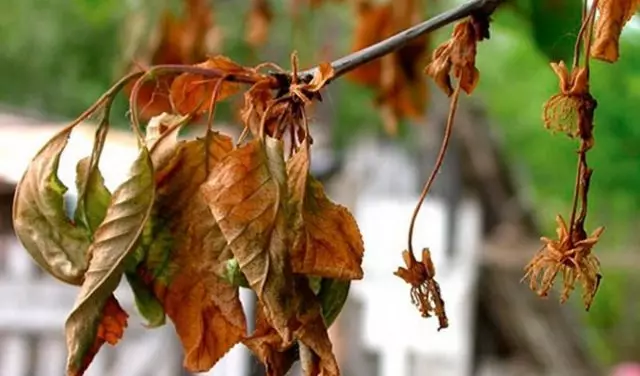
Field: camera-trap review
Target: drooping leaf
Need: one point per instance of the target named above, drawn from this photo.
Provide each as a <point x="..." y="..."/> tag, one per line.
<point x="40" y="220"/>
<point x="205" y="310"/>
<point x="186" y="38"/>
<point x="258" y="23"/>
<point x="328" y="242"/>
<point x="113" y="241"/>
<point x="246" y="193"/>
<point x="614" y="14"/>
<point x="267" y="345"/>
<point x="312" y="330"/>
<point x="401" y="92"/>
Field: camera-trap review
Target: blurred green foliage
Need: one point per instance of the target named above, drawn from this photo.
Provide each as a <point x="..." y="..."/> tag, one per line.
<point x="59" y="57"/>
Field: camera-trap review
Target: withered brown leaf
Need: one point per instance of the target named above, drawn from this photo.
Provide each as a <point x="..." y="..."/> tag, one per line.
<point x="328" y="242"/>
<point x="247" y="194"/>
<point x="258" y="23"/>
<point x="310" y="329"/>
<point x="268" y="346"/>
<point x="457" y="56"/>
<point x="614" y="14"/>
<point x="205" y="310"/>
<point x="401" y="93"/>
<point x="179" y="39"/>
<point x="192" y="93"/>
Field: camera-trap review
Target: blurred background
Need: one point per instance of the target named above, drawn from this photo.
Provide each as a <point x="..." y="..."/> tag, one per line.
<point x="504" y="179"/>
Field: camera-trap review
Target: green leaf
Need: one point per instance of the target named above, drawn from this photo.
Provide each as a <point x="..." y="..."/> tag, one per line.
<point x="40" y="220"/>
<point x="147" y="304"/>
<point x="93" y="196"/>
<point x="113" y="241"/>
<point x="333" y="295"/>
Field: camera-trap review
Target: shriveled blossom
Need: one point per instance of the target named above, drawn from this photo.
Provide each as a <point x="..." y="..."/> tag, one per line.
<point x="425" y="291"/>
<point x="572" y="258"/>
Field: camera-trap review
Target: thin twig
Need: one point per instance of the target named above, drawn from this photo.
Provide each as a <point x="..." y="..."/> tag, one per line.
<point x="395" y="42"/>
<point x="436" y="167"/>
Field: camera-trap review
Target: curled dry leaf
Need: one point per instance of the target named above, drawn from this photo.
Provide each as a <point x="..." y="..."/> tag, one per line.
<point x="113" y="241"/>
<point x="278" y="355"/>
<point x="192" y="93"/>
<point x="457" y="56"/>
<point x="571" y="111"/>
<point x="425" y="291"/>
<point x="312" y="330"/>
<point x="258" y="22"/>
<point x="571" y="257"/>
<point x="205" y="310"/>
<point x="267" y="345"/>
<point x="40" y="220"/>
<point x="328" y="242"/>
<point x="614" y="14"/>
<point x="247" y="194"/>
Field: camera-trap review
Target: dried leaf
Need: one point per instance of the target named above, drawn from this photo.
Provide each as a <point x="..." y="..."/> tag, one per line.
<point x="457" y="56"/>
<point x="278" y="355"/>
<point x="206" y="311"/>
<point x="185" y="39"/>
<point x="246" y="193"/>
<point x="268" y="347"/>
<point x="40" y="220"/>
<point x="328" y="242"/>
<point x="614" y="14"/>
<point x="113" y="241"/>
<point x="258" y="23"/>
<point x="312" y="330"/>
<point x="192" y="93"/>
<point x="396" y="77"/>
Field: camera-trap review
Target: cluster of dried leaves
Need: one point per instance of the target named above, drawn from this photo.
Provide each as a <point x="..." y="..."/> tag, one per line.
<point x="195" y="220"/>
<point x="571" y="111"/>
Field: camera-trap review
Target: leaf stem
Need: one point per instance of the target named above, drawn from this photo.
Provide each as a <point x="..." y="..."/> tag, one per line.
<point x="443" y="149"/>
<point x="350" y="62"/>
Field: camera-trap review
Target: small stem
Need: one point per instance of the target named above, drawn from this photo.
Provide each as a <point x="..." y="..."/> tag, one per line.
<point x="395" y="42"/>
<point x="436" y="167"/>
<point x="591" y="21"/>
<point x="576" y="193"/>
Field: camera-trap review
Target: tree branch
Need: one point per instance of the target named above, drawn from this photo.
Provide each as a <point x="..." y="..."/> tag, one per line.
<point x="395" y="42"/>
